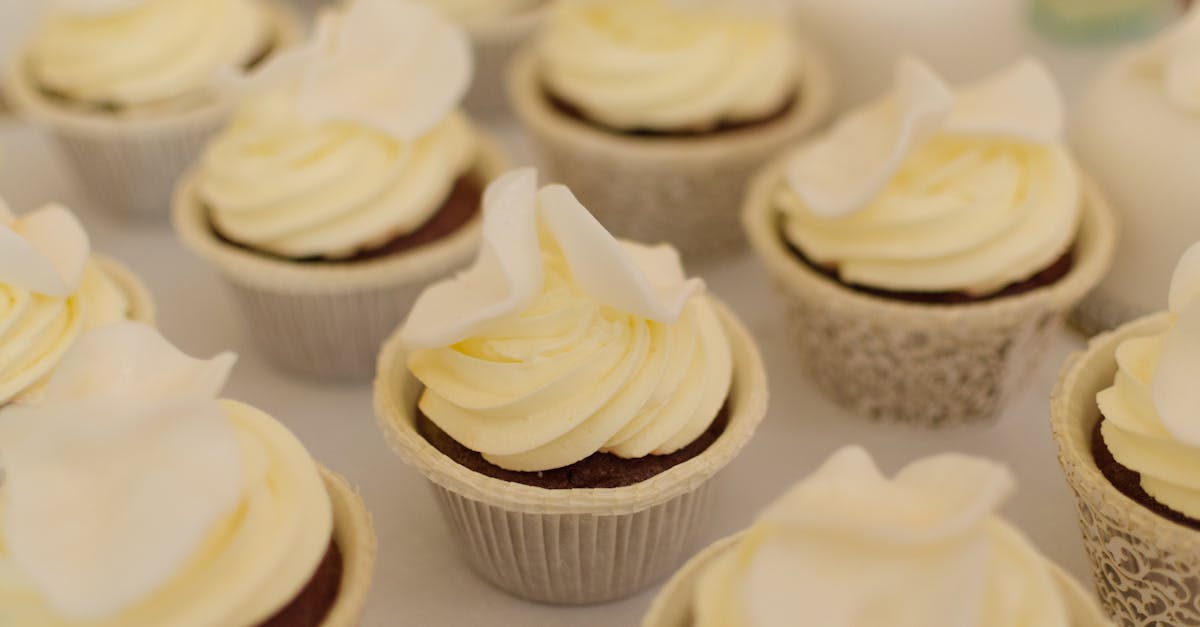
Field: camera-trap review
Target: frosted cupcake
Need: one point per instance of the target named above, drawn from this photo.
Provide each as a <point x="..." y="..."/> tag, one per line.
<point x="656" y="112"/>
<point x="1125" y="416"/>
<point x="347" y="180"/>
<point x="1138" y="132"/>
<point x="849" y="547"/>
<point x="52" y="290"/>
<point x="127" y="87"/>
<point x="569" y="397"/>
<point x="929" y="243"/>
<point x="227" y="521"/>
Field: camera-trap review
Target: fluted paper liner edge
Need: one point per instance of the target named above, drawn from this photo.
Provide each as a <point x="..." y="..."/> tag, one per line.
<point x="355" y="537"/>
<point x="141" y="303"/>
<point x="1146" y="568"/>
<point x="672" y="607"/>
<point x="929" y="365"/>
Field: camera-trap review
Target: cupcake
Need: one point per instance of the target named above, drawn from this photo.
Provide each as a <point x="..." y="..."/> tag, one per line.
<point x="656" y="112"/>
<point x="569" y="397"/>
<point x="497" y="28"/>
<point x="1125" y="416"/>
<point x="127" y="87"/>
<point x="347" y="180"/>
<point x="52" y="290"/>
<point x="863" y="39"/>
<point x="1138" y="131"/>
<point x="212" y="513"/>
<point x="929" y="243"/>
<point x="849" y="547"/>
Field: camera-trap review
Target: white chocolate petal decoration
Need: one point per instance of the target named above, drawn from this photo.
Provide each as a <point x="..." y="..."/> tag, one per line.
<point x="506" y="276"/>
<point x="94" y="7"/>
<point x="44" y="251"/>
<point x="1176" y="395"/>
<point x="6" y="213"/>
<point x="843" y="171"/>
<point x="81" y="506"/>
<point x="1185" y="283"/>
<point x="1021" y="102"/>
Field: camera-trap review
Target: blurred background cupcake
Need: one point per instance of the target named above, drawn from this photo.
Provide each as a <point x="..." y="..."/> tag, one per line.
<point x="204" y="512"/>
<point x="1080" y="21"/>
<point x="127" y="87"/>
<point x="1126" y="418"/>
<point x="929" y="243"/>
<point x="848" y="547"/>
<point x="569" y="396"/>
<point x="347" y="180"/>
<point x="656" y="112"/>
<point x="1138" y="132"/>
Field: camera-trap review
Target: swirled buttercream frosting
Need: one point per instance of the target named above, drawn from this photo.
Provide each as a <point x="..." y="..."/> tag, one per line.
<point x="560" y="341"/>
<point x="133" y="497"/>
<point x="1152" y="411"/>
<point x="930" y="189"/>
<point x="668" y="66"/>
<point x="128" y="53"/>
<point x="50" y="292"/>
<point x="849" y="547"/>
<point x="347" y="142"/>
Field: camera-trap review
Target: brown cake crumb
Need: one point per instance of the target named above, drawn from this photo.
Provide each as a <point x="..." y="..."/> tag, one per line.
<point x="721" y="126"/>
<point x="314" y="601"/>
<point x="1129" y="482"/>
<point x="600" y="470"/>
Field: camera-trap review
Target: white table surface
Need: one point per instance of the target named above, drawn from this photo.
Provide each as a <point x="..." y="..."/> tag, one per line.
<point x="420" y="578"/>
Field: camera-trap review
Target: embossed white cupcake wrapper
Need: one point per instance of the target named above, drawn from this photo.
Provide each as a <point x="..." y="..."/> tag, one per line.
<point x="925" y="365"/>
<point x="685" y="191"/>
<point x="128" y="164"/>
<point x="582" y="545"/>
<point x="1146" y="568"/>
<point x="328" y="319"/>
<point x="355" y="538"/>
<point x="673" y="605"/>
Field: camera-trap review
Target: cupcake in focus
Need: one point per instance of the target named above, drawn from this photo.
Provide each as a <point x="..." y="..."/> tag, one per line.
<point x="347" y="180"/>
<point x="212" y="513"/>
<point x="849" y="547"/>
<point x="53" y="290"/>
<point x="656" y="112"/>
<point x="1138" y="131"/>
<point x="929" y="243"/>
<point x="1125" y="416"/>
<point x="128" y="87"/>
<point x="566" y="396"/>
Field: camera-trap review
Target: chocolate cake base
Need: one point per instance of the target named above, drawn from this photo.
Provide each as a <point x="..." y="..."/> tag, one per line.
<point x="600" y="470"/>
<point x="571" y="110"/>
<point x="1047" y="276"/>
<point x="457" y="210"/>
<point x="310" y="607"/>
<point x="1129" y="482"/>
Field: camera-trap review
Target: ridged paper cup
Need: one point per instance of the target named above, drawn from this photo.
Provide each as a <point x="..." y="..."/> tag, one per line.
<point x="673" y="605"/>
<point x="495" y="44"/>
<point x="682" y="190"/>
<point x="1146" y="568"/>
<point x="141" y="304"/>
<point x="930" y="365"/>
<point x="573" y="546"/>
<point x="328" y="319"/>
<point x="355" y="538"/>
<point x="128" y="163"/>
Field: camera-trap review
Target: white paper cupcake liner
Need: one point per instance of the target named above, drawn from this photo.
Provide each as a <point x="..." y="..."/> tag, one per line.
<point x="1146" y="568"/>
<point x="327" y="320"/>
<point x="686" y="191"/>
<point x="581" y="545"/>
<point x="355" y="537"/>
<point x="141" y="303"/>
<point x="931" y="365"/>
<point x="128" y="163"/>
<point x="673" y="605"/>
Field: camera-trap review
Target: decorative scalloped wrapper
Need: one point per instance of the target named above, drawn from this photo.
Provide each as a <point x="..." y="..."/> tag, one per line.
<point x="1146" y="568"/>
<point x="925" y="365"/>
<point x="355" y="537"/>
<point x="682" y="190"/>
<point x="673" y="605"/>
<point x="574" y="546"/>
<point x="328" y="319"/>
<point x="129" y="163"/>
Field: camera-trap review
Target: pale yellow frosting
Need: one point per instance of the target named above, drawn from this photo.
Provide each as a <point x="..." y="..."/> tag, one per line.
<point x="150" y="52"/>
<point x="251" y="564"/>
